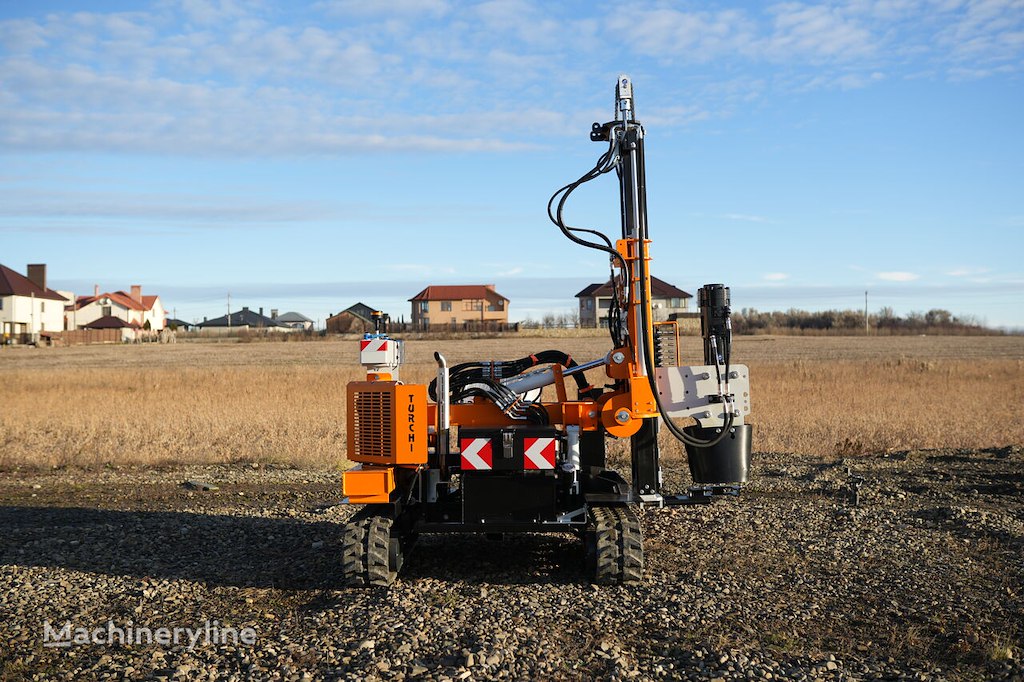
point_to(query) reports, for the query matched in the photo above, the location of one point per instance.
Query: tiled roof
(108, 322)
(457, 292)
(243, 318)
(14, 284)
(659, 289)
(120, 298)
(362, 310)
(589, 290)
(292, 317)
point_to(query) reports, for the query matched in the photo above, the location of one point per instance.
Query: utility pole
(229, 310)
(866, 329)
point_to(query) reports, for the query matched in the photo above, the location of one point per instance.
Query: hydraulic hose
(645, 327)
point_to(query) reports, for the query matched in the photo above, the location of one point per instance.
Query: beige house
(459, 305)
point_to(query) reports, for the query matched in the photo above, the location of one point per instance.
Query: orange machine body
(387, 423)
(368, 484)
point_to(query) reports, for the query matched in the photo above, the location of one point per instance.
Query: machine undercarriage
(478, 450)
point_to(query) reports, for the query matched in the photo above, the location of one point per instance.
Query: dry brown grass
(216, 402)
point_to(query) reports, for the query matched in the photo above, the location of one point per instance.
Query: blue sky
(306, 156)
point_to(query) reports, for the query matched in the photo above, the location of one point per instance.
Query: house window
(1, 304)
(473, 305)
(604, 303)
(589, 304)
(42, 306)
(675, 303)
(105, 310)
(424, 306)
(446, 306)
(496, 307)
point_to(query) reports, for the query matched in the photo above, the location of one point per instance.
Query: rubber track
(364, 552)
(618, 552)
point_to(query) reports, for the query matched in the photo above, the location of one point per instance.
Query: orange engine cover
(387, 422)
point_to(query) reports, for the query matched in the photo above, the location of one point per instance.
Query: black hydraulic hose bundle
(471, 379)
(611, 159)
(645, 324)
(605, 163)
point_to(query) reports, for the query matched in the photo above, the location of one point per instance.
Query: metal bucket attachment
(726, 462)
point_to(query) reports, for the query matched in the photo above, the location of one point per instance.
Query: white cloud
(775, 276)
(967, 272)
(696, 36)
(897, 276)
(816, 32)
(392, 8)
(222, 76)
(210, 11)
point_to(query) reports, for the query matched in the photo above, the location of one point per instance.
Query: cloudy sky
(306, 156)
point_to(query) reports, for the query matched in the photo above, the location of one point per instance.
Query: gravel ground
(921, 580)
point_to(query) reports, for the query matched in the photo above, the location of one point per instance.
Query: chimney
(261, 311)
(95, 290)
(245, 308)
(37, 274)
(489, 286)
(137, 293)
(273, 313)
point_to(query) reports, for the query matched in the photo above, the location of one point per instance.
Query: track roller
(371, 553)
(614, 546)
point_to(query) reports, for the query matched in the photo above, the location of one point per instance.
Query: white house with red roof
(135, 309)
(28, 309)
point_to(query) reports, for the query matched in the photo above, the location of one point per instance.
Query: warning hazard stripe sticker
(378, 345)
(539, 453)
(476, 454)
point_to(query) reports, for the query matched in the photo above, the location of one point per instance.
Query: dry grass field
(284, 402)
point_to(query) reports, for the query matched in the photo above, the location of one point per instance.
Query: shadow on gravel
(516, 559)
(969, 526)
(249, 551)
(216, 549)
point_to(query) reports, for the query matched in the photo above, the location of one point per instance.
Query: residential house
(357, 318)
(145, 311)
(129, 330)
(296, 321)
(459, 305)
(243, 320)
(28, 308)
(667, 302)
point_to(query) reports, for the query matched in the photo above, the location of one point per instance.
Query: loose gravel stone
(920, 580)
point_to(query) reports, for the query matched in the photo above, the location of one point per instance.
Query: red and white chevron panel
(476, 454)
(539, 453)
(378, 351)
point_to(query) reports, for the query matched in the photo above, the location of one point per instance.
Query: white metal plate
(687, 392)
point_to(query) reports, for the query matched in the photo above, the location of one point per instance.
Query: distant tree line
(793, 321)
(566, 320)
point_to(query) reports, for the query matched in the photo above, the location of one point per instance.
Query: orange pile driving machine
(480, 450)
